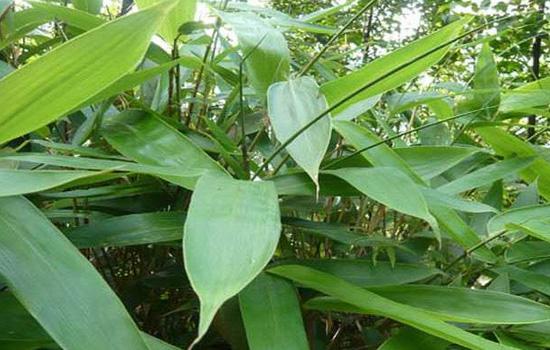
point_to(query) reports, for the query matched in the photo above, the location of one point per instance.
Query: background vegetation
(274, 175)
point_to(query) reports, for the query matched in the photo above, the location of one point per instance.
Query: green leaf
(143, 137)
(527, 251)
(338, 89)
(291, 105)
(15, 182)
(21, 331)
(520, 216)
(533, 280)
(177, 175)
(182, 12)
(231, 232)
(438, 103)
(486, 83)
(91, 6)
(377, 305)
(127, 230)
(411, 339)
(272, 315)
(454, 304)
(430, 161)
(34, 253)
(527, 96)
(74, 17)
(436, 198)
(390, 187)
(486, 175)
(340, 233)
(509, 146)
(133, 79)
(44, 89)
(536, 228)
(269, 59)
(364, 273)
(381, 155)
(461, 233)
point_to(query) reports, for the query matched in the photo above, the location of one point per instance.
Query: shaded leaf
(272, 315)
(33, 252)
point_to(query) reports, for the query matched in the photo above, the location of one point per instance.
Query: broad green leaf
(538, 334)
(538, 228)
(381, 155)
(91, 6)
(436, 198)
(272, 315)
(78, 18)
(377, 305)
(44, 90)
(300, 184)
(182, 12)
(411, 339)
(533, 280)
(518, 216)
(178, 176)
(506, 339)
(527, 96)
(364, 273)
(15, 182)
(454, 304)
(411, 55)
(230, 234)
(34, 253)
(486, 175)
(461, 233)
(486, 83)
(269, 60)
(509, 146)
(147, 139)
(127, 230)
(440, 104)
(527, 251)
(430, 161)
(291, 105)
(24, 333)
(17, 327)
(390, 187)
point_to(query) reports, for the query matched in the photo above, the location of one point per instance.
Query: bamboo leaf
(15, 182)
(269, 60)
(467, 306)
(291, 105)
(381, 155)
(231, 232)
(147, 139)
(364, 273)
(411, 339)
(182, 12)
(338, 89)
(45, 89)
(127, 230)
(388, 186)
(377, 305)
(272, 315)
(518, 216)
(486, 175)
(34, 253)
(430, 161)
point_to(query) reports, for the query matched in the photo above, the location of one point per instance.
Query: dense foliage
(299, 175)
